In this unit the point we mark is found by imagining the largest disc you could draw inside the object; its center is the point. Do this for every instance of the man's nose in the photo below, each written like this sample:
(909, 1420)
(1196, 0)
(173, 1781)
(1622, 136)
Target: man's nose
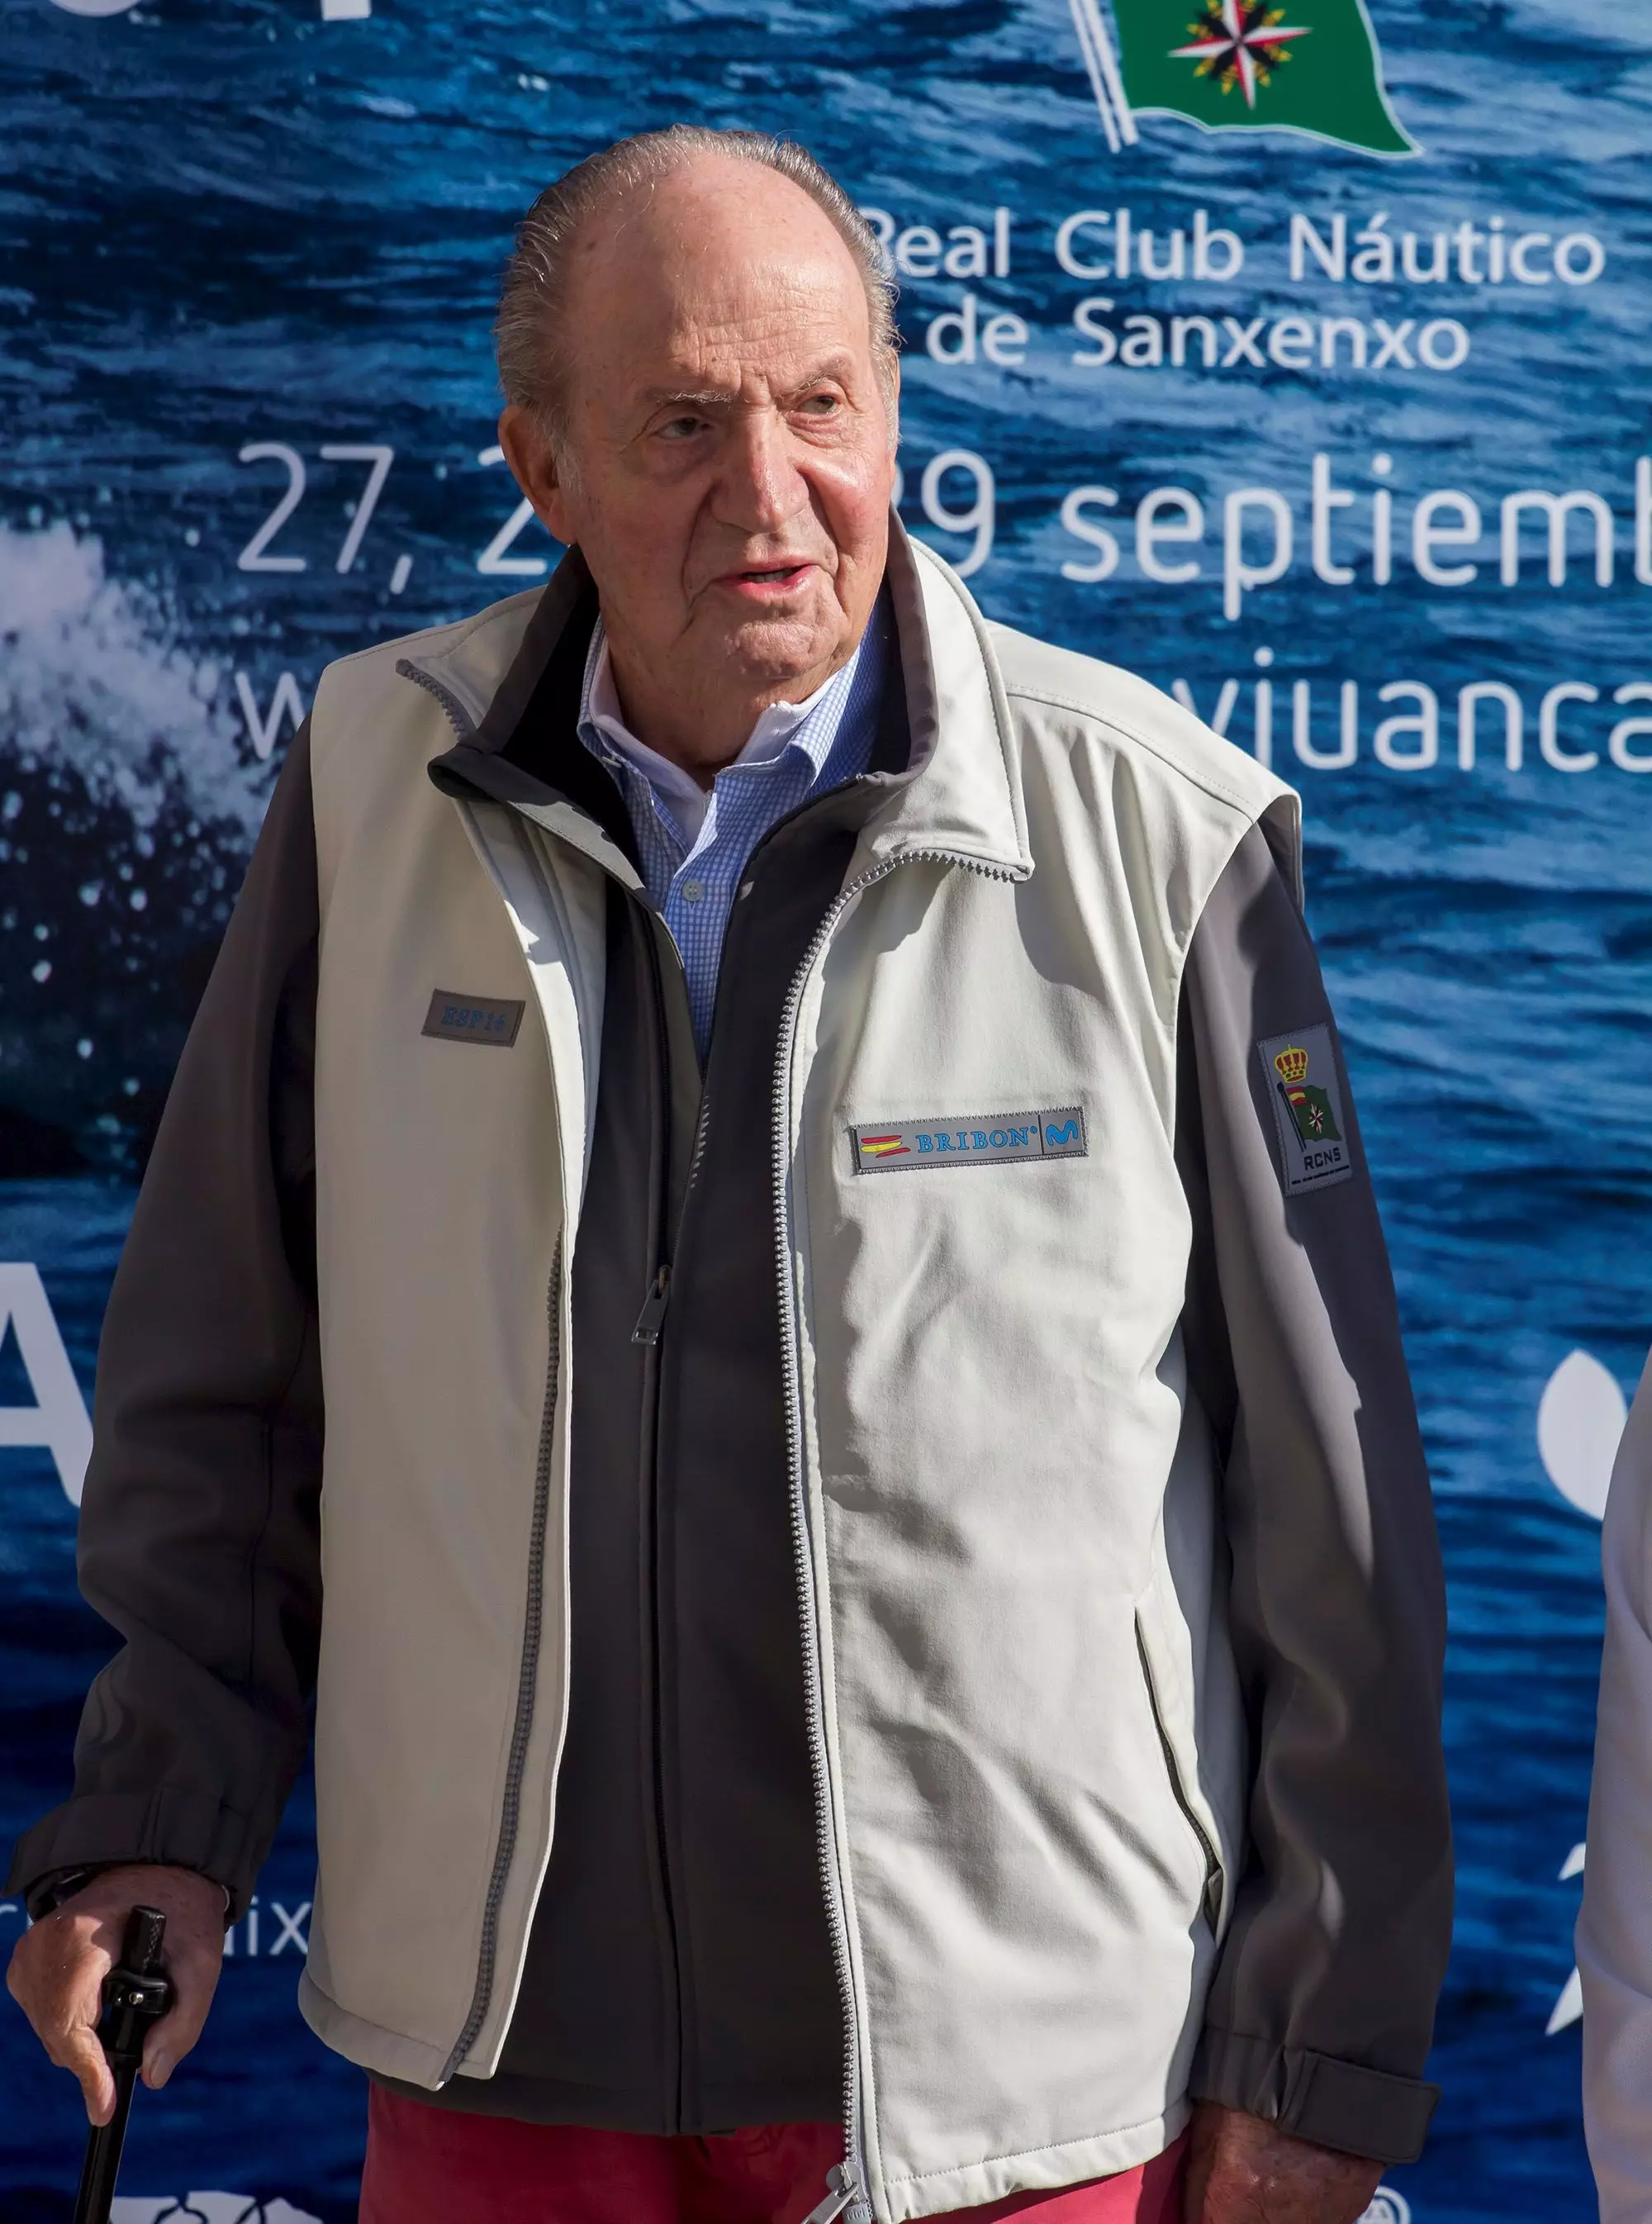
(761, 488)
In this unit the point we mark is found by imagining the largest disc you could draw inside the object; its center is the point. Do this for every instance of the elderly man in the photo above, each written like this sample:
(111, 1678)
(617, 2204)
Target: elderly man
(882, 1625)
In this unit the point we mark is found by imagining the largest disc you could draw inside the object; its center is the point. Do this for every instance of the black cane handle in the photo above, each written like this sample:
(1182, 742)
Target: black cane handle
(135, 1994)
(146, 1932)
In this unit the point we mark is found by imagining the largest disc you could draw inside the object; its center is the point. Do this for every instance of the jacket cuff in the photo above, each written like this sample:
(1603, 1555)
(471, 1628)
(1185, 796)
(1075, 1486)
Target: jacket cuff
(1316, 2096)
(103, 1829)
(53, 1892)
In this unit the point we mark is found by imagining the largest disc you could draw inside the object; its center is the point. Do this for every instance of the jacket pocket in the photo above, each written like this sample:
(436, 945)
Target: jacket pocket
(1160, 1679)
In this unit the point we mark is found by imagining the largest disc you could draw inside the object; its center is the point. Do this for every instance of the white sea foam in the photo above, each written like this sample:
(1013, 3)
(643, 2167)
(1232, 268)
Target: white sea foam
(93, 681)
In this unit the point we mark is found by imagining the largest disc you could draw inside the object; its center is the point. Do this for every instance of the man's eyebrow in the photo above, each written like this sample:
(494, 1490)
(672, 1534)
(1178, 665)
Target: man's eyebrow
(723, 397)
(658, 397)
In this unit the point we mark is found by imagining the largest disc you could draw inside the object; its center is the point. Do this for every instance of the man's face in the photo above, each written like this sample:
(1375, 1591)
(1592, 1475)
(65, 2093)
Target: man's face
(729, 468)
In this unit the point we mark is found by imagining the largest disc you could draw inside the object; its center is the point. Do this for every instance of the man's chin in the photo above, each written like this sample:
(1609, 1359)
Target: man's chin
(775, 648)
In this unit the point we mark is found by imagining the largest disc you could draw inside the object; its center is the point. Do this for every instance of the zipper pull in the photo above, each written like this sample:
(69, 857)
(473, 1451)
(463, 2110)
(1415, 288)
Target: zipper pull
(846, 2191)
(653, 1314)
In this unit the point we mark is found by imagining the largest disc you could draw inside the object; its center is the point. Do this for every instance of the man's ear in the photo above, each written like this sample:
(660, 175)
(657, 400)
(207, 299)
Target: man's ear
(533, 466)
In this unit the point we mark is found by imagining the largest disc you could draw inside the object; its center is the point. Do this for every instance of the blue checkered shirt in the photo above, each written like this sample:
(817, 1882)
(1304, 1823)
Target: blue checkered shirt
(796, 750)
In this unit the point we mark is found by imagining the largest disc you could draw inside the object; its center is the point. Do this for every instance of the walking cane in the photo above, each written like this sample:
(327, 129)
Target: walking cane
(135, 1994)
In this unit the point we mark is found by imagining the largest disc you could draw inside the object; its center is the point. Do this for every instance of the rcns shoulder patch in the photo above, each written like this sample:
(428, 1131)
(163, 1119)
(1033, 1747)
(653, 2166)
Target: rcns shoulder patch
(1300, 1072)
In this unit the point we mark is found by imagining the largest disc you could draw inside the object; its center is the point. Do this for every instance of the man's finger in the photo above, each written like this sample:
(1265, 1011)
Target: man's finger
(172, 2037)
(80, 2050)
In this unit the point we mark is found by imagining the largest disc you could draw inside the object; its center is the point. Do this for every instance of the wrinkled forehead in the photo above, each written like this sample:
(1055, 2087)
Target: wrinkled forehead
(717, 275)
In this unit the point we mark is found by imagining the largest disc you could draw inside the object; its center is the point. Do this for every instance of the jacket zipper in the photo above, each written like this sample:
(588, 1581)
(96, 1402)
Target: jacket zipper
(848, 2196)
(458, 717)
(521, 1729)
(650, 1322)
(1173, 1770)
(651, 1318)
(845, 2189)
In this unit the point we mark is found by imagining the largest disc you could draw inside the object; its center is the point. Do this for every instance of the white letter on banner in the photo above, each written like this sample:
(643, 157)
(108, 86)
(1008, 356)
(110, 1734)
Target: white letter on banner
(1238, 578)
(1594, 259)
(881, 225)
(951, 335)
(1629, 729)
(1427, 536)
(1514, 721)
(1301, 728)
(1442, 344)
(1067, 255)
(1331, 329)
(1333, 259)
(967, 257)
(1557, 509)
(285, 703)
(59, 1422)
(1004, 340)
(1326, 498)
(918, 251)
(1180, 329)
(1548, 727)
(1088, 529)
(1423, 721)
(1204, 239)
(1084, 319)
(1149, 533)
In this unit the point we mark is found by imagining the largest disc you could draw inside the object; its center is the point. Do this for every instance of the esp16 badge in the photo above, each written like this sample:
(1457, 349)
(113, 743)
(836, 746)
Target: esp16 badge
(1301, 1075)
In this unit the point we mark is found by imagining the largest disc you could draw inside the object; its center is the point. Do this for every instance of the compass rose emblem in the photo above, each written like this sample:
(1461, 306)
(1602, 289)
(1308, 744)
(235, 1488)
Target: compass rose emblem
(1240, 42)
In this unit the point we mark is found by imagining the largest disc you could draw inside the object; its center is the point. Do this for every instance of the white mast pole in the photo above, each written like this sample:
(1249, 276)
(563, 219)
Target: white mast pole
(1107, 81)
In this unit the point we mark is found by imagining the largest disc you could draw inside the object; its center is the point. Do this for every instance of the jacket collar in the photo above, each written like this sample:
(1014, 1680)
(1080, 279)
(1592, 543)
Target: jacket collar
(484, 673)
(960, 795)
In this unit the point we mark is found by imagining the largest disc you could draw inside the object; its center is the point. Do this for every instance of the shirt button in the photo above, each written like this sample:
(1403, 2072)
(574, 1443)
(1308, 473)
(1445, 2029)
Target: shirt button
(692, 891)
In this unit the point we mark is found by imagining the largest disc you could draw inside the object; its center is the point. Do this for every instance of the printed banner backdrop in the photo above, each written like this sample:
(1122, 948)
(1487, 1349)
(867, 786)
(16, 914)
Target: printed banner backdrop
(1293, 355)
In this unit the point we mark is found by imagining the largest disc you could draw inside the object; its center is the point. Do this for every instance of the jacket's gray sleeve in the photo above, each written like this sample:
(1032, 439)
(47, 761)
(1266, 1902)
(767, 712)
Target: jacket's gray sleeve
(1615, 1929)
(199, 1527)
(1322, 2008)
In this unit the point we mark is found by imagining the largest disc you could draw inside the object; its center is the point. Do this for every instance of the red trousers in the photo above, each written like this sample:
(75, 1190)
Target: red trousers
(432, 2166)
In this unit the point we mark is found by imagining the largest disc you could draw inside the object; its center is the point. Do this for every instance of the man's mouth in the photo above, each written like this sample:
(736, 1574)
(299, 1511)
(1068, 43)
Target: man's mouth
(768, 579)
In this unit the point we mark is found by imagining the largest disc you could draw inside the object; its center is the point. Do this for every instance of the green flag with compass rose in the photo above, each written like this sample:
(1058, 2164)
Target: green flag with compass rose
(1258, 66)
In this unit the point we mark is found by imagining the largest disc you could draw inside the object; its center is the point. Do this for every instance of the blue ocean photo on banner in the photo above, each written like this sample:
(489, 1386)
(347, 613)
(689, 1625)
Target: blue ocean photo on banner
(1319, 396)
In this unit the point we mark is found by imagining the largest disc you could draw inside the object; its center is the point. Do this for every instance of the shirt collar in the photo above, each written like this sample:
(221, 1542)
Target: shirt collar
(811, 726)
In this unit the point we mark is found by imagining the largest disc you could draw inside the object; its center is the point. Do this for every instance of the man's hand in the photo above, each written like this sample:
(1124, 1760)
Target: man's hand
(59, 1966)
(1241, 2170)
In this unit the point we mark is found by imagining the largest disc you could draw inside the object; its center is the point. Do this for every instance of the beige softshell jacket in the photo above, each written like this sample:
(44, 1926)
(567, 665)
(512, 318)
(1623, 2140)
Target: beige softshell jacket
(1029, 1738)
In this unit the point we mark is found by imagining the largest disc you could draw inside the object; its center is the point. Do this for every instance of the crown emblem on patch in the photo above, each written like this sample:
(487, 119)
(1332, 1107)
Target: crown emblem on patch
(1292, 1064)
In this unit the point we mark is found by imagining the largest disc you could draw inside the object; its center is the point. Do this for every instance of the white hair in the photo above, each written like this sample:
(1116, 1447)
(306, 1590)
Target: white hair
(529, 331)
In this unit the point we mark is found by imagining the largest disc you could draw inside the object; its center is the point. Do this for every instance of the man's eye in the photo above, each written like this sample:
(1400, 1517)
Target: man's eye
(680, 429)
(822, 405)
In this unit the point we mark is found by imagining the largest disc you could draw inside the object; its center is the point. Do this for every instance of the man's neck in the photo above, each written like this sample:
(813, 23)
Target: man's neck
(703, 732)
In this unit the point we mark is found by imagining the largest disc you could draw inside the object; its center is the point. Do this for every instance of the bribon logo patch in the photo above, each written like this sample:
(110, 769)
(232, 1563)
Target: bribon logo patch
(1299, 1073)
(489, 1019)
(970, 1139)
